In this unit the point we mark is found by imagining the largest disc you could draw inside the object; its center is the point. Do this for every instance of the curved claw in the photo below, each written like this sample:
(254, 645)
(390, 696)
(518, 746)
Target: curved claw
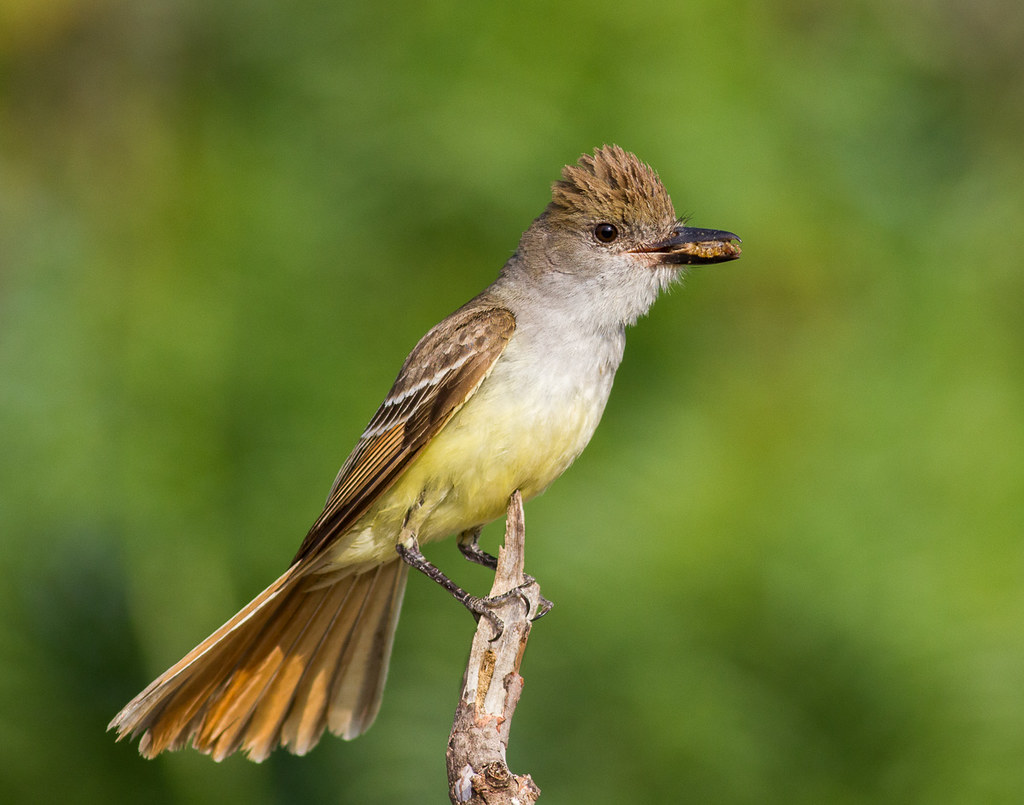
(544, 605)
(482, 605)
(543, 609)
(485, 606)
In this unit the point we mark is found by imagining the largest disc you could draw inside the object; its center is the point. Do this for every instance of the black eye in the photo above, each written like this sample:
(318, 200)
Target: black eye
(606, 233)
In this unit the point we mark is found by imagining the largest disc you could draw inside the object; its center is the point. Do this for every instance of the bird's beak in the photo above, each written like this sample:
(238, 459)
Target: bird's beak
(689, 246)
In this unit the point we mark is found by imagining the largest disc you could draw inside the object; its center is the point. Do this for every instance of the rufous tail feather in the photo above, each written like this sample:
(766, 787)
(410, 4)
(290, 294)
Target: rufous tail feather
(304, 655)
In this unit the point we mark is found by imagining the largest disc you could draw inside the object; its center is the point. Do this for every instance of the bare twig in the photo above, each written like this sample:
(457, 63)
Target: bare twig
(477, 772)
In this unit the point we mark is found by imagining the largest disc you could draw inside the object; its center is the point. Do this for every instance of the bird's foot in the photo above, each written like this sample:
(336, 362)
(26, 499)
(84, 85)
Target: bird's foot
(485, 607)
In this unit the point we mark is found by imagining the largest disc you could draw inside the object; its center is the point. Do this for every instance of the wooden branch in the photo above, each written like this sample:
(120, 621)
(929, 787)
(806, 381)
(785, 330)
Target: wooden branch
(477, 772)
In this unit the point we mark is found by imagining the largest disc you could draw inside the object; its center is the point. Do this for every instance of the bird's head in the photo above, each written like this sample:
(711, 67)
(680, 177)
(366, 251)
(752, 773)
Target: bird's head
(611, 233)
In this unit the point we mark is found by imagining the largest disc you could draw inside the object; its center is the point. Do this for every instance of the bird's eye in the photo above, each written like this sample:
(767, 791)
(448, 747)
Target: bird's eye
(606, 233)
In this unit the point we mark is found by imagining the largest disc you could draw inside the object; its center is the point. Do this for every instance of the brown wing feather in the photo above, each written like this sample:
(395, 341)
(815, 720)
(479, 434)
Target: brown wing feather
(442, 372)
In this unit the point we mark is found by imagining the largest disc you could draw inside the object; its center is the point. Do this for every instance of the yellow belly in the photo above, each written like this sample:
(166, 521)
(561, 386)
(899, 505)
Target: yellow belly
(497, 443)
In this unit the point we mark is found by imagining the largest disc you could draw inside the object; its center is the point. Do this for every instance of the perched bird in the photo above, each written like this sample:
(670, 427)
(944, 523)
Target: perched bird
(501, 396)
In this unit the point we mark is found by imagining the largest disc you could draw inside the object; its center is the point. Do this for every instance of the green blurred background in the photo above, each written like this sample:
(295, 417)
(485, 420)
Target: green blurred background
(789, 569)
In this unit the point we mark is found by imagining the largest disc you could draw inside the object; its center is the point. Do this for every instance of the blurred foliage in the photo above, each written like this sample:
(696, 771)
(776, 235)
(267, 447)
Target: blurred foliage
(789, 569)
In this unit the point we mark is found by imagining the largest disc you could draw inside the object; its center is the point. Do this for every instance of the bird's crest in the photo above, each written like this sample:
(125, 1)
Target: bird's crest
(610, 184)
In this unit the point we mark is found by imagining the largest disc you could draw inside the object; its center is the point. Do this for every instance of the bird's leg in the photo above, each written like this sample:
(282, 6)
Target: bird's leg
(469, 546)
(409, 550)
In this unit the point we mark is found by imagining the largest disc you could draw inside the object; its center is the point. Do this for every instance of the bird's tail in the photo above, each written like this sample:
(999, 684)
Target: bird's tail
(300, 657)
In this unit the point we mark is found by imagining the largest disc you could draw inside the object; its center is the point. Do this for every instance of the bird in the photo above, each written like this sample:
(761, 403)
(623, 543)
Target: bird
(500, 396)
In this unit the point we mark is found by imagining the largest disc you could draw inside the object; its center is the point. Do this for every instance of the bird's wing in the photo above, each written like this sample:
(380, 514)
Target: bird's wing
(443, 371)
